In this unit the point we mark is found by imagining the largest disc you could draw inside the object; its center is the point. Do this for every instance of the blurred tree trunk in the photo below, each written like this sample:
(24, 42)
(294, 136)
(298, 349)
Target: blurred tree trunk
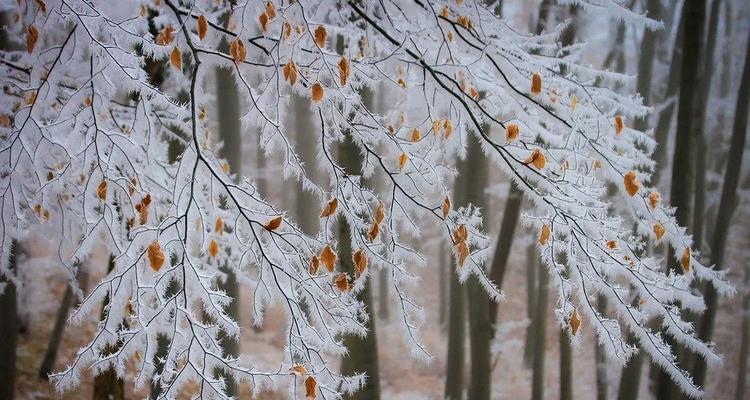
(531, 303)
(107, 385)
(745, 335)
(383, 282)
(306, 143)
(230, 133)
(540, 329)
(601, 357)
(703, 96)
(727, 204)
(566, 366)
(444, 274)
(363, 351)
(480, 326)
(50, 355)
(504, 242)
(8, 328)
(683, 167)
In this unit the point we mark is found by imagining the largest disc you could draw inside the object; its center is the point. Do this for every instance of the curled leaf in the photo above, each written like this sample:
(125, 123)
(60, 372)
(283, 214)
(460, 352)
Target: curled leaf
(219, 226)
(659, 230)
(213, 248)
(101, 190)
(544, 234)
(511, 132)
(165, 36)
(330, 208)
(415, 135)
(612, 244)
(374, 232)
(155, 256)
(32, 35)
(310, 387)
(653, 199)
(328, 257)
(619, 125)
(380, 213)
(274, 223)
(446, 207)
(271, 10)
(402, 159)
(342, 282)
(321, 36)
(536, 83)
(344, 70)
(298, 369)
(317, 92)
(202, 27)
(290, 72)
(176, 58)
(263, 21)
(460, 234)
(314, 265)
(537, 159)
(686, 259)
(631, 183)
(238, 51)
(575, 322)
(463, 253)
(360, 262)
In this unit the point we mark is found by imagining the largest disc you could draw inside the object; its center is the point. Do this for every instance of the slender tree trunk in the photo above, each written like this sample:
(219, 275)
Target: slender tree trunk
(601, 357)
(531, 304)
(504, 242)
(480, 325)
(727, 204)
(55, 337)
(107, 385)
(363, 352)
(307, 216)
(8, 328)
(683, 167)
(700, 156)
(566, 366)
(745, 341)
(540, 329)
(444, 273)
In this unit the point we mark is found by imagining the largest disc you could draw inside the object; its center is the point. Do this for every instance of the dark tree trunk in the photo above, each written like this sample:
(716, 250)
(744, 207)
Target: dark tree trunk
(307, 216)
(531, 303)
(363, 352)
(504, 242)
(480, 326)
(107, 385)
(703, 96)
(566, 366)
(8, 328)
(727, 204)
(601, 357)
(683, 164)
(540, 329)
(745, 338)
(646, 60)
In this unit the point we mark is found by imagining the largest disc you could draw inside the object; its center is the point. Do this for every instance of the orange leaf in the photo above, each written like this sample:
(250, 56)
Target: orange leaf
(659, 230)
(314, 265)
(287, 30)
(219, 226)
(328, 257)
(686, 259)
(374, 232)
(544, 234)
(402, 159)
(342, 282)
(631, 183)
(155, 256)
(165, 36)
(298, 369)
(5, 120)
(360, 262)
(415, 135)
(463, 253)
(344, 71)
(274, 223)
(317, 92)
(321, 36)
(380, 213)
(537, 159)
(101, 190)
(213, 248)
(444, 11)
(536, 83)
(612, 244)
(263, 20)
(575, 322)
(653, 199)
(330, 208)
(202, 26)
(448, 125)
(176, 59)
(238, 51)
(310, 387)
(460, 234)
(511, 132)
(619, 125)
(446, 207)
(271, 10)
(32, 35)
(290, 72)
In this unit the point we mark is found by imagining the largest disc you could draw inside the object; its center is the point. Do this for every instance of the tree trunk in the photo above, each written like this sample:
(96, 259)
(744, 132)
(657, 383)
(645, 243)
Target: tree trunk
(727, 204)
(646, 61)
(107, 385)
(480, 325)
(703, 96)
(745, 342)
(540, 329)
(230, 133)
(601, 357)
(444, 273)
(307, 216)
(566, 366)
(8, 328)
(363, 352)
(683, 167)
(504, 242)
(531, 304)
